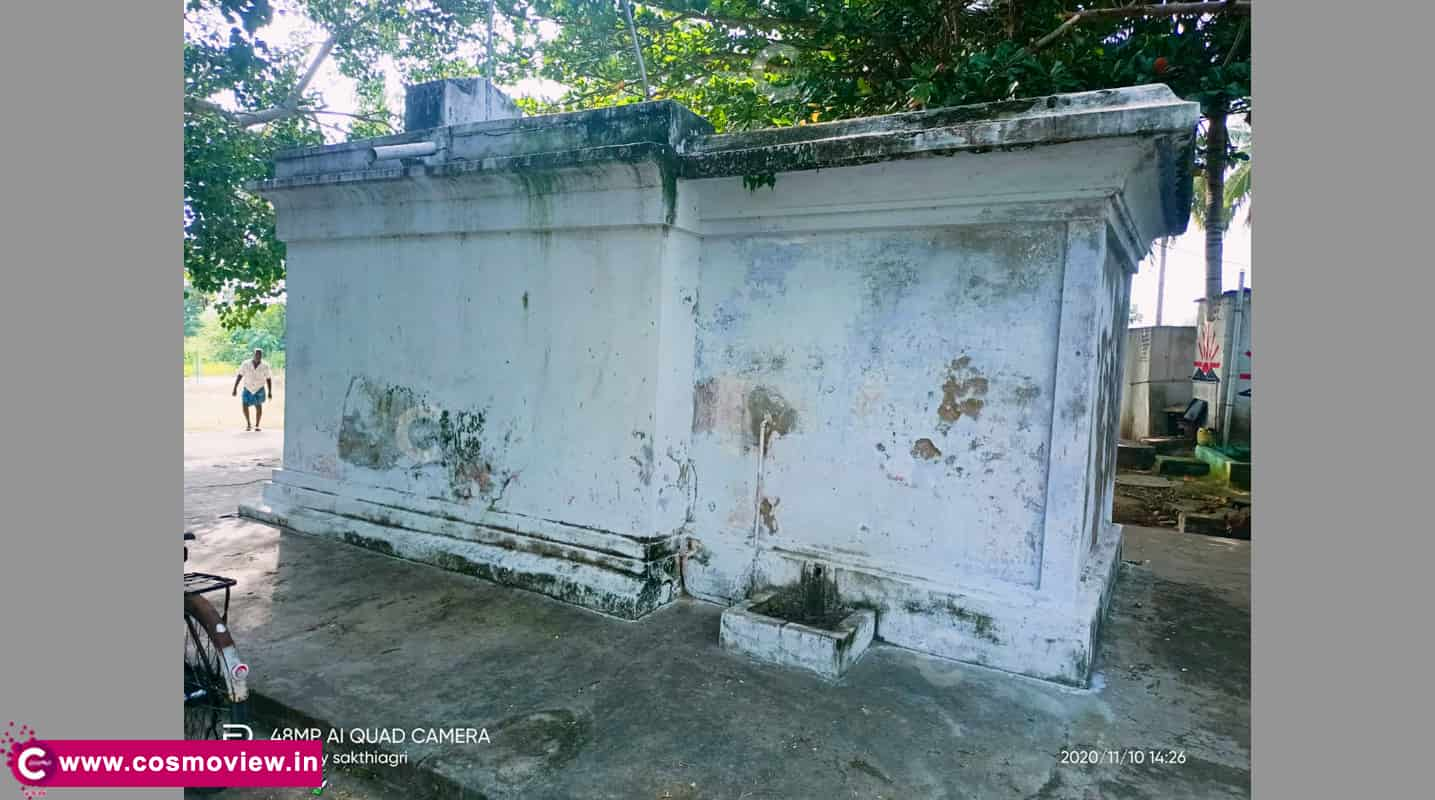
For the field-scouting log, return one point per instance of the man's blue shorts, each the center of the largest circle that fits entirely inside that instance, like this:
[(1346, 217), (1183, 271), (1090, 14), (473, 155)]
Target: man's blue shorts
[(253, 398)]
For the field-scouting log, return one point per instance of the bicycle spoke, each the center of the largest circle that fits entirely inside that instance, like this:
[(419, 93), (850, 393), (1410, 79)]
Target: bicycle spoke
[(204, 715)]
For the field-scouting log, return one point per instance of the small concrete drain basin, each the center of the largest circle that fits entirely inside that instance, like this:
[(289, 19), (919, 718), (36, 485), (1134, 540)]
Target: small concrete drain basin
[(828, 653)]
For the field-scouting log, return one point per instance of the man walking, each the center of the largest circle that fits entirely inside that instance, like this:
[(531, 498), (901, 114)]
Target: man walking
[(255, 377)]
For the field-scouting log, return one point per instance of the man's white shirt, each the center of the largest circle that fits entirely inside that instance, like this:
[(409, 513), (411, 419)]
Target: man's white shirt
[(254, 377)]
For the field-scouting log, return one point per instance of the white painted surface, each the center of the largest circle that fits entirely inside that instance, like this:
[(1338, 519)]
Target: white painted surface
[(828, 653), (1234, 363), (1156, 375), (932, 346), (859, 333)]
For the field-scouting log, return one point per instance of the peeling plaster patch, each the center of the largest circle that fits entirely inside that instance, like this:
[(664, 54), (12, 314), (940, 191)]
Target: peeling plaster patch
[(743, 413), (962, 393), (767, 510), (924, 449), (368, 432), (384, 427), (697, 553), (705, 399), (768, 413)]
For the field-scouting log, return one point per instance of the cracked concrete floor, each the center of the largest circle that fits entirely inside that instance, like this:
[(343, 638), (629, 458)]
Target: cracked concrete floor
[(578, 705)]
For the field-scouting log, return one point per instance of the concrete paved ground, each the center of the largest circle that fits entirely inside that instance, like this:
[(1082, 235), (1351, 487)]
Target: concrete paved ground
[(224, 468), (578, 705), (209, 406)]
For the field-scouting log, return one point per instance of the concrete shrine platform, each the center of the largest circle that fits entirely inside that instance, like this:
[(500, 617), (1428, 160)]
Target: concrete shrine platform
[(577, 704), (580, 354), (581, 705)]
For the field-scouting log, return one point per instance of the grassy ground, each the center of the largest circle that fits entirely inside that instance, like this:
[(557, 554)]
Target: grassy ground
[(209, 369), (1160, 504), (209, 407)]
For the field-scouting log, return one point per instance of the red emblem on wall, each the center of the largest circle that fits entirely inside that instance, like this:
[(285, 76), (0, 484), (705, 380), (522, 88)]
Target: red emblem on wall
[(1208, 354)]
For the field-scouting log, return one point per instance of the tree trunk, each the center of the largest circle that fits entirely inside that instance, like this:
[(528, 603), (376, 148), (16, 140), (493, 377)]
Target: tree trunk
[(1215, 200)]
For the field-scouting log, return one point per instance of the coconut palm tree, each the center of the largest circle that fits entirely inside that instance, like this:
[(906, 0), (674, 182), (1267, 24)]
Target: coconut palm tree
[(1237, 189)]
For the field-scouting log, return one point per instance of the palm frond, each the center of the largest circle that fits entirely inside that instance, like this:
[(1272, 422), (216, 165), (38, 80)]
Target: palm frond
[(1238, 192), (1237, 195)]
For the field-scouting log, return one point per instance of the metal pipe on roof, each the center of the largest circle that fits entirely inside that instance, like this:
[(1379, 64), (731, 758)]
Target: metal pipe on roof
[(387, 152)]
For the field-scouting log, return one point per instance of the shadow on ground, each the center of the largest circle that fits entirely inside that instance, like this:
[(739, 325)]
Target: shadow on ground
[(578, 705)]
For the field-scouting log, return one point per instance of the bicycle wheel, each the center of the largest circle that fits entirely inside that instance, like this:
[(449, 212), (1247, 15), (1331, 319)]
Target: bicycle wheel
[(214, 694), (214, 686)]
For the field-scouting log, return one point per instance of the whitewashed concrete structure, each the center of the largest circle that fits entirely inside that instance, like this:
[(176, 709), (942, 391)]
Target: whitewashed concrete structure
[(438, 104), (613, 357), (1156, 378), (1221, 373), (826, 652)]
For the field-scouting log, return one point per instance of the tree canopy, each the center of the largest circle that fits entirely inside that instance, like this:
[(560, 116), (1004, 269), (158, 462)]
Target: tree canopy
[(742, 64), (758, 63)]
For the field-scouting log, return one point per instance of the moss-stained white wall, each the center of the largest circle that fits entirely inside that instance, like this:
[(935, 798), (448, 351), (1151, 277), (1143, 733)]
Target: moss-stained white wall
[(609, 371), (908, 378), (479, 368)]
